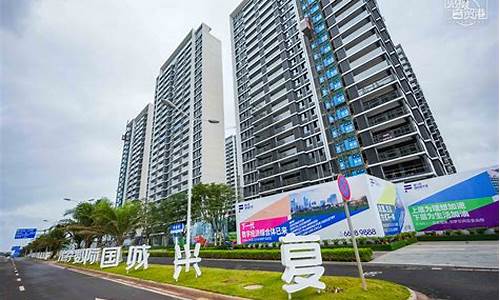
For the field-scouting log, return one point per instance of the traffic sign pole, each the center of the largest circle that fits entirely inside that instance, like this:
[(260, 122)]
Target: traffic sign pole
[(345, 191), (355, 246)]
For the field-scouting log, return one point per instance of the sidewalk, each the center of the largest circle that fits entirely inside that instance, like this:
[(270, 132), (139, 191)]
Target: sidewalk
[(474, 254)]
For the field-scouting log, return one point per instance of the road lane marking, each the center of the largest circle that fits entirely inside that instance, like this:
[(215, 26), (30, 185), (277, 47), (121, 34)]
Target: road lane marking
[(21, 288), (372, 274)]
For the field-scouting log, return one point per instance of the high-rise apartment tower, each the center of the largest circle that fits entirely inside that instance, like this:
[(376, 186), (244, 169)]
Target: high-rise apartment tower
[(191, 80), (320, 90), (133, 179)]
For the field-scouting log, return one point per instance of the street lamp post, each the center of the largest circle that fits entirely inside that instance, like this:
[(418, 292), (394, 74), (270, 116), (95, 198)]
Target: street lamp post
[(190, 164), (71, 200)]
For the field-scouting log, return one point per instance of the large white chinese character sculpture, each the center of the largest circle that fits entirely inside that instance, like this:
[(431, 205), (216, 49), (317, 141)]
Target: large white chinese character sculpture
[(137, 256), (92, 255), (110, 257), (301, 256), (179, 261), (65, 255), (78, 256)]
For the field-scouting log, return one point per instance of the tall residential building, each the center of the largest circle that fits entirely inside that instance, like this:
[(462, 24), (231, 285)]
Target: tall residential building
[(133, 180), (426, 111), (232, 173), (191, 79), (319, 91)]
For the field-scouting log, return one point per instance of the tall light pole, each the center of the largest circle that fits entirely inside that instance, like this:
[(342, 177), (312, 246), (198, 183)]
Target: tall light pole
[(190, 163)]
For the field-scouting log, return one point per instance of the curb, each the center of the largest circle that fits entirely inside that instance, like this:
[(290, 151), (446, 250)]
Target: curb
[(180, 292), (413, 296)]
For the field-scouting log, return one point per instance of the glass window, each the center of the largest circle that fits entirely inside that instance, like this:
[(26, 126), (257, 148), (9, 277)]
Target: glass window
[(317, 18), (328, 61), (338, 98), (323, 38), (347, 127), (358, 171), (341, 113), (355, 160), (351, 143), (331, 72), (342, 164), (334, 131), (335, 84), (314, 8), (326, 48)]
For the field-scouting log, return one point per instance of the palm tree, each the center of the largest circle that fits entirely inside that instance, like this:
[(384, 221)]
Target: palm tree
[(118, 222), (82, 226), (54, 240)]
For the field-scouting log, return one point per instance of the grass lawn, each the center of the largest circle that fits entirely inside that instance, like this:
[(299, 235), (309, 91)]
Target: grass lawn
[(232, 282)]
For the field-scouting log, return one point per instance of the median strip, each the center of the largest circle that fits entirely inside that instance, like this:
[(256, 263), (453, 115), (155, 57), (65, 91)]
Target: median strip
[(227, 284)]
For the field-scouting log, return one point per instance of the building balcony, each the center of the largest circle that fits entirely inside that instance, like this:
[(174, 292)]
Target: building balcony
[(380, 100), (386, 116), (379, 83), (289, 166), (392, 133), (399, 152), (291, 180), (406, 172)]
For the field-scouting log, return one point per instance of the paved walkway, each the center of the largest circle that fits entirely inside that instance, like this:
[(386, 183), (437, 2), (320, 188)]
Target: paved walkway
[(476, 254)]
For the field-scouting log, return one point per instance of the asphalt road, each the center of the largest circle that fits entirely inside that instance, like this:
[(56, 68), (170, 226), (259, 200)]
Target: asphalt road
[(39, 281), (437, 283)]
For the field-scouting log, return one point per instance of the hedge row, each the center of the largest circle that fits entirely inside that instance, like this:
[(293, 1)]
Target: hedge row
[(338, 254), (474, 237)]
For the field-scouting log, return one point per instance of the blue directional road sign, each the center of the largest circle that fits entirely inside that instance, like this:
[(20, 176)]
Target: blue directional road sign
[(25, 233), (177, 228), (15, 251)]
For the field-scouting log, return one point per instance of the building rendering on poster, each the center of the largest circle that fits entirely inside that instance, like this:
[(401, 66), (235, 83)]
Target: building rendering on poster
[(375, 208), (458, 201)]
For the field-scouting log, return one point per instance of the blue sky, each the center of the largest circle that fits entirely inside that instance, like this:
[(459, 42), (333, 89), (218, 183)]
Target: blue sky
[(73, 72)]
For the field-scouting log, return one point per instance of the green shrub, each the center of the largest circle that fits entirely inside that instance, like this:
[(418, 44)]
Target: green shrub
[(328, 254)]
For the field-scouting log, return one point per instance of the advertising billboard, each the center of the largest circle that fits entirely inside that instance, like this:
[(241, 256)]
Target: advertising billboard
[(319, 209), (458, 201)]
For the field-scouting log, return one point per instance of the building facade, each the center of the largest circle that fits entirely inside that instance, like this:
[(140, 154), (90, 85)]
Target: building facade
[(232, 172), (320, 90), (133, 179), (190, 79), (426, 111)]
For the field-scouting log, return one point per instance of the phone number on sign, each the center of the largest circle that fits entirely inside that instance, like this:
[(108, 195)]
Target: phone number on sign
[(362, 232)]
